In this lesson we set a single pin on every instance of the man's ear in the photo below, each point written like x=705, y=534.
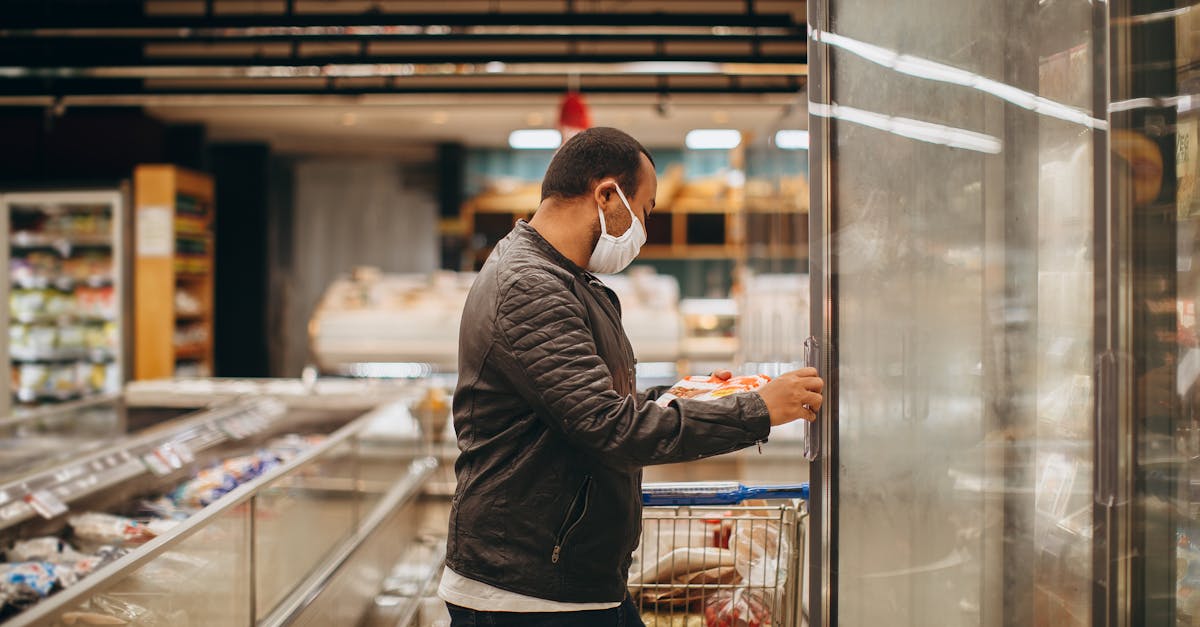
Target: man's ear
x=604, y=191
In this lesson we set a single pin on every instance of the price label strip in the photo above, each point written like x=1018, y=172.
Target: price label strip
x=46, y=504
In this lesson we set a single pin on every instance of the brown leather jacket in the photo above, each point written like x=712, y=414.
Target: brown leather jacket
x=553, y=435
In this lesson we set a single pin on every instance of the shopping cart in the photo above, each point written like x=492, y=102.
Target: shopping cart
x=707, y=560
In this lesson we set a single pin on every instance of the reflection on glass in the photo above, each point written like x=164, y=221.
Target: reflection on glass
x=1155, y=168
x=963, y=263
x=205, y=580
x=299, y=519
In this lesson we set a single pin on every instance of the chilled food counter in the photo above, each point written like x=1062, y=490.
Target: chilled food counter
x=248, y=512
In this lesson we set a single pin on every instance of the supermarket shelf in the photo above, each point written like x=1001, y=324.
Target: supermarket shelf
x=62, y=284
x=125, y=460
x=194, y=351
x=62, y=242
x=25, y=395
x=58, y=319
x=190, y=276
x=94, y=355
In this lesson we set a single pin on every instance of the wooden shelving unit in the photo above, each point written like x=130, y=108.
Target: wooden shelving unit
x=173, y=250
x=698, y=219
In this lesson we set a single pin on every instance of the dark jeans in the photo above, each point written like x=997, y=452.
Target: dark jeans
x=624, y=616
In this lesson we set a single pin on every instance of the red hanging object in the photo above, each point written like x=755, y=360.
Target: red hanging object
x=573, y=115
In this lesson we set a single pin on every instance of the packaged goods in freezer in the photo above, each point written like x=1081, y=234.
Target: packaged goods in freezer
x=702, y=388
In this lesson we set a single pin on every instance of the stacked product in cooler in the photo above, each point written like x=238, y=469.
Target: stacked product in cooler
x=39, y=567
x=63, y=306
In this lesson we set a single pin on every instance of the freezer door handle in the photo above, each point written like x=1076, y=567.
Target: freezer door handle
x=812, y=447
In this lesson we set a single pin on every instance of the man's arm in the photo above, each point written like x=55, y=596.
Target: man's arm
x=555, y=366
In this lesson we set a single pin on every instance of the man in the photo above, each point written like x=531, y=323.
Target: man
x=552, y=432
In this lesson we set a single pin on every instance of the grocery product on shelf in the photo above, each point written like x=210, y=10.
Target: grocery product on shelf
x=99, y=529
x=63, y=301
x=38, y=567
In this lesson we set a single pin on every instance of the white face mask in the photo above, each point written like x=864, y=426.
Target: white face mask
x=614, y=253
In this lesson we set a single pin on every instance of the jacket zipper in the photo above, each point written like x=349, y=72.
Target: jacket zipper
x=564, y=530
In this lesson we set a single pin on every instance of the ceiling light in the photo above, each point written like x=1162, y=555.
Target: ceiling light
x=720, y=116
x=535, y=119
x=349, y=119
x=440, y=117
x=712, y=139
x=534, y=139
x=791, y=139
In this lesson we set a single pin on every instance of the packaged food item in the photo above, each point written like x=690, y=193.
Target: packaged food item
x=18, y=579
x=45, y=549
x=701, y=388
x=106, y=529
x=682, y=561
x=735, y=608
x=760, y=550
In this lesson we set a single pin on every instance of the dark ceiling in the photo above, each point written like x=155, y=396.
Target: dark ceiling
x=56, y=49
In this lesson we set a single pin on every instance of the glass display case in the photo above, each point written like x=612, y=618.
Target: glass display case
x=66, y=292
x=247, y=512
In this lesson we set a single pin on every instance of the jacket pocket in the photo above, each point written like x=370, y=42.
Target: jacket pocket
x=571, y=521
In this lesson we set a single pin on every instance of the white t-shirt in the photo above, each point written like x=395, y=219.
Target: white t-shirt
x=480, y=596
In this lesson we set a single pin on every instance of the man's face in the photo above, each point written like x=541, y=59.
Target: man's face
x=616, y=217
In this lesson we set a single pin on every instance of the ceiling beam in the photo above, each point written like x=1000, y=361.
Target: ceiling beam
x=20, y=20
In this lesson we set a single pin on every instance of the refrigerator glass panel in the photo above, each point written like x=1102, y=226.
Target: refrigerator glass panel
x=1155, y=168
x=961, y=140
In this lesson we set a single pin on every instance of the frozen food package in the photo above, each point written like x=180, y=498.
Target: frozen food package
x=736, y=608
x=106, y=529
x=701, y=388
x=41, y=578
x=45, y=549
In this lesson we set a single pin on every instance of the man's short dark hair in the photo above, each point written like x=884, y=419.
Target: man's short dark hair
x=591, y=155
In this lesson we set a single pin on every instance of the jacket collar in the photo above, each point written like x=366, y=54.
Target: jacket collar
x=530, y=234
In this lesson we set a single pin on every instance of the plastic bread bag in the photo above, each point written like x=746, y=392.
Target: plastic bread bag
x=680, y=562
x=660, y=536
x=96, y=529
x=702, y=388
x=45, y=549
x=107, y=609
x=760, y=551
x=736, y=608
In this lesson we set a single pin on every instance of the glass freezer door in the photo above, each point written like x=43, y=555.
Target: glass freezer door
x=1155, y=168
x=957, y=147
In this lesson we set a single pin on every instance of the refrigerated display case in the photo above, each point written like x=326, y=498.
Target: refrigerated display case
x=1002, y=234
x=66, y=294
x=248, y=512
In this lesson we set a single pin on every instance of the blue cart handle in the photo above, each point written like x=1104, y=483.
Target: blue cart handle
x=717, y=493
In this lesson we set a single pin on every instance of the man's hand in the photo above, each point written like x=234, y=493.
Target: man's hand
x=793, y=395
